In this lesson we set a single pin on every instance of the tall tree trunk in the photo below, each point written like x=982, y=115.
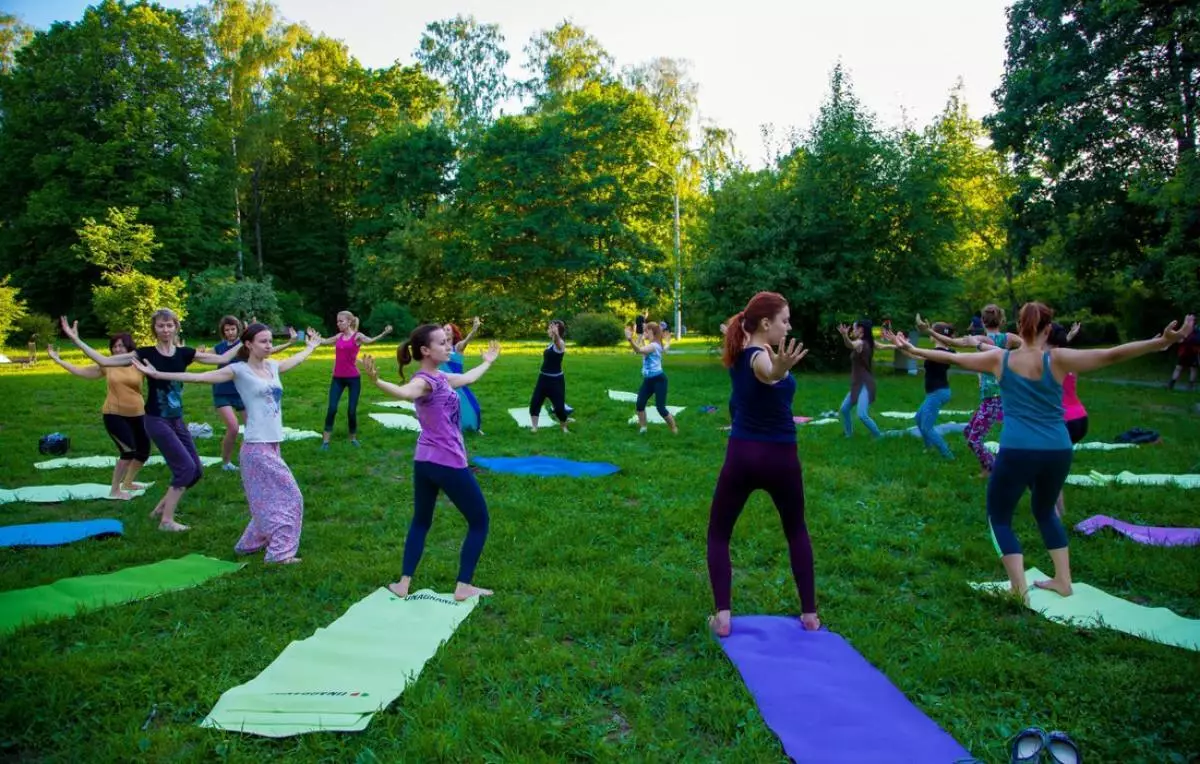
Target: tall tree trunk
x=257, y=191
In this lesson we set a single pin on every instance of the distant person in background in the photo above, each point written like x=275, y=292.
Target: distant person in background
x=346, y=344
x=1187, y=357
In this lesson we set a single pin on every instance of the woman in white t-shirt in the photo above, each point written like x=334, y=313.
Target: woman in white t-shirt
x=276, y=505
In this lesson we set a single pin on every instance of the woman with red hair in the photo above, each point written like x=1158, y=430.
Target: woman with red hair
x=761, y=453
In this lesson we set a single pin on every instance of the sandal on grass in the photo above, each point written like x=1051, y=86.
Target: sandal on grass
x=1062, y=749
x=1028, y=745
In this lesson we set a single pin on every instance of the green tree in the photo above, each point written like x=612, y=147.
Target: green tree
x=12, y=308
x=13, y=34
x=564, y=60
x=468, y=58
x=119, y=245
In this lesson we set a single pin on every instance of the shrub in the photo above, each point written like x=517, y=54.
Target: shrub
x=12, y=308
x=596, y=329
x=399, y=317
x=295, y=314
x=216, y=293
x=125, y=302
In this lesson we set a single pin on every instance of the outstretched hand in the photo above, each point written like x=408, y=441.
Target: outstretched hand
x=366, y=363
x=52, y=352
x=628, y=333
x=492, y=353
x=843, y=329
x=292, y=333
x=144, y=367
x=387, y=329
x=899, y=340
x=70, y=331
x=312, y=338
x=922, y=324
x=1175, y=333
x=475, y=323
x=788, y=355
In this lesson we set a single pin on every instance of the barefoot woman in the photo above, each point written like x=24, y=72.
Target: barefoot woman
x=1035, y=448
x=762, y=450
x=440, y=460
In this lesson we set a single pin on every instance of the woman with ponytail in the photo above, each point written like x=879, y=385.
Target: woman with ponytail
x=345, y=374
x=1035, y=446
x=654, y=379
x=551, y=382
x=440, y=460
x=761, y=452
x=276, y=505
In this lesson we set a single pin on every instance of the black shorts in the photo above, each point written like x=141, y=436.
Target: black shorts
x=1077, y=429
x=1188, y=360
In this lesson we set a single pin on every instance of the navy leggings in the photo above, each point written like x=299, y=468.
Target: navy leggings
x=335, y=395
x=1043, y=473
x=460, y=486
x=656, y=386
x=775, y=468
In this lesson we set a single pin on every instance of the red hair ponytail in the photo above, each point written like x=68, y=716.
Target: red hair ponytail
x=766, y=305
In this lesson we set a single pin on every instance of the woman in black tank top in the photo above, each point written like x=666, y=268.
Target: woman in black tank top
x=551, y=383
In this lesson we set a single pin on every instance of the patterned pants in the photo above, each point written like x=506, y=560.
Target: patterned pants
x=988, y=413
x=276, y=506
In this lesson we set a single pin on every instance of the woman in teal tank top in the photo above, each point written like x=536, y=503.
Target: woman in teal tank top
x=1035, y=449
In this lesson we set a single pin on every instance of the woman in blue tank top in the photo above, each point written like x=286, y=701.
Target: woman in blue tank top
x=1035, y=449
x=761, y=453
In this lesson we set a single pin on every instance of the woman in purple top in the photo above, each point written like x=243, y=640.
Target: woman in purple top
x=440, y=461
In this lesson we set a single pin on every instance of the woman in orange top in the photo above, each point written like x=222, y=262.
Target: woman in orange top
x=123, y=413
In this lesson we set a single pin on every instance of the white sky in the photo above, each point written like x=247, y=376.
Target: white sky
x=756, y=61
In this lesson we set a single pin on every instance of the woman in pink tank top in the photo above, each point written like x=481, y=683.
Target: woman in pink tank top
x=345, y=374
x=1074, y=413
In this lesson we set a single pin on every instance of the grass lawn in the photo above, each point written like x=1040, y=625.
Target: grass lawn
x=595, y=645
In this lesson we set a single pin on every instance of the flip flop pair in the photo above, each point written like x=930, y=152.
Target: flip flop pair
x=1032, y=743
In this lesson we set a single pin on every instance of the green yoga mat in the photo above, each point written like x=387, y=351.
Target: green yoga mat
x=1098, y=479
x=53, y=494
x=344, y=673
x=1093, y=608
x=65, y=598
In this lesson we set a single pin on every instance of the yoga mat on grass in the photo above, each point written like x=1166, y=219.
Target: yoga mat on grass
x=1099, y=479
x=652, y=416
x=546, y=466
x=624, y=397
x=1143, y=534
x=397, y=421
x=406, y=405
x=65, y=598
x=1092, y=608
x=53, y=494
x=912, y=414
x=110, y=462
x=53, y=534
x=1091, y=445
x=289, y=433
x=818, y=422
x=825, y=702
x=942, y=429
x=344, y=673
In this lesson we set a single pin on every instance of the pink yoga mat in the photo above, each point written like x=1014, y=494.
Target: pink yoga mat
x=1143, y=534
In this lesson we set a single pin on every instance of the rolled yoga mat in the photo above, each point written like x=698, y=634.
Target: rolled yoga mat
x=825, y=702
x=338, y=678
x=54, y=494
x=1143, y=534
x=1092, y=608
x=54, y=534
x=1098, y=479
x=110, y=462
x=546, y=466
x=65, y=598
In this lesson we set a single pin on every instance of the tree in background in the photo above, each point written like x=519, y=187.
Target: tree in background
x=13, y=35
x=12, y=308
x=468, y=58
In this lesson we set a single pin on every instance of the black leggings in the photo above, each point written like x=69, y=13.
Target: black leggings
x=1043, y=473
x=128, y=433
x=554, y=388
x=335, y=395
x=657, y=386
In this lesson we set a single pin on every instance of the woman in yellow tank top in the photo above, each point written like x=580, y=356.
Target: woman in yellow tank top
x=123, y=413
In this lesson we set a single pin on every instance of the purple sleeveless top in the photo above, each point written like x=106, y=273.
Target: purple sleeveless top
x=441, y=439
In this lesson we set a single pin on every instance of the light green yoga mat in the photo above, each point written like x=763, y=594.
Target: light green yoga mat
x=652, y=416
x=1091, y=445
x=1093, y=608
x=344, y=673
x=1099, y=479
x=913, y=414
x=53, y=494
x=624, y=397
x=65, y=598
x=397, y=421
x=110, y=462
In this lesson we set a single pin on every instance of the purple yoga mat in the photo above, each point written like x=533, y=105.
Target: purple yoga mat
x=1143, y=534
x=825, y=702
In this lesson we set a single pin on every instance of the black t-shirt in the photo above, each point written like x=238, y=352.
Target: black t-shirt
x=935, y=373
x=165, y=399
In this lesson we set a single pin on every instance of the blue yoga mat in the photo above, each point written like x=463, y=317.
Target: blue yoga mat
x=53, y=534
x=825, y=702
x=546, y=466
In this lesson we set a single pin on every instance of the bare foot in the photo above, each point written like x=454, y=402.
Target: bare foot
x=1020, y=595
x=158, y=509
x=122, y=495
x=810, y=621
x=400, y=588
x=1054, y=585
x=134, y=487
x=467, y=591
x=288, y=561
x=720, y=624
x=565, y=430
x=172, y=526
